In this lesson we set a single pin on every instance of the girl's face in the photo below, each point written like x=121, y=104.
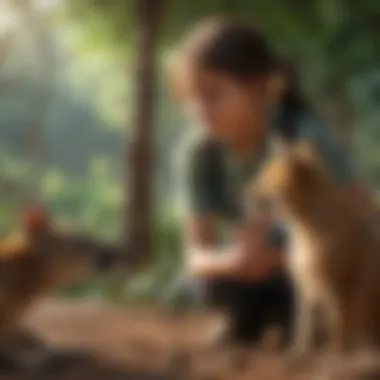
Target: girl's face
x=227, y=108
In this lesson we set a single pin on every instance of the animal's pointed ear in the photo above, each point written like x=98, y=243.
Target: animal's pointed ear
x=306, y=152
x=35, y=219
x=307, y=165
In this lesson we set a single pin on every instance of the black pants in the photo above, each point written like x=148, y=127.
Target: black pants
x=253, y=307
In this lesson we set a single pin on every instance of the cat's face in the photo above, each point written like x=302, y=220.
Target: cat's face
x=291, y=177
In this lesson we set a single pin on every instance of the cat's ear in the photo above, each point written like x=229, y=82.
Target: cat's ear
x=306, y=162
x=306, y=152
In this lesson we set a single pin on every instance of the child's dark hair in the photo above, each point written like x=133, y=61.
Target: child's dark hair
x=243, y=53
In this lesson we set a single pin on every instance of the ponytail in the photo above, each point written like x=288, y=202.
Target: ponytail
x=291, y=105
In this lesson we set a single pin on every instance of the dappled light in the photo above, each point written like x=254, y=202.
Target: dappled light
x=132, y=224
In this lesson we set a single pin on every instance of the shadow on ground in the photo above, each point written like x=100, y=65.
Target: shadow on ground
x=81, y=366
x=107, y=343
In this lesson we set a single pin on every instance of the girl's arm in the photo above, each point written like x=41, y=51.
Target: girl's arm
x=202, y=257
x=251, y=257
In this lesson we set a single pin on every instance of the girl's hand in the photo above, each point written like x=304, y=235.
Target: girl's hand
x=255, y=259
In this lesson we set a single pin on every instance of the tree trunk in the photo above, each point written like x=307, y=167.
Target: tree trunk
x=41, y=101
x=140, y=148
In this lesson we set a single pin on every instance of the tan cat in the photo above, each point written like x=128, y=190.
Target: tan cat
x=334, y=256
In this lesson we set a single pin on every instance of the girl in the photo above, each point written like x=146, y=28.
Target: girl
x=227, y=76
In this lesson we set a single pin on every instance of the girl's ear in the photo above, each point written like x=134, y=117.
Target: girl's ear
x=176, y=76
x=277, y=85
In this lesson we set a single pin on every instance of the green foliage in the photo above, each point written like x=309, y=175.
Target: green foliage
x=96, y=16
x=334, y=43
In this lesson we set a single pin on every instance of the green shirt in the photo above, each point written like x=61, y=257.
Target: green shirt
x=199, y=189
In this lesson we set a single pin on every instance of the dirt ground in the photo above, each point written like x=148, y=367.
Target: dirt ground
x=143, y=344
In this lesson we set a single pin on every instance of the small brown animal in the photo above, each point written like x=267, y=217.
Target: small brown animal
x=38, y=259
x=334, y=256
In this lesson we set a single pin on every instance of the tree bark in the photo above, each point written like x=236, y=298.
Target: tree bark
x=36, y=138
x=139, y=207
